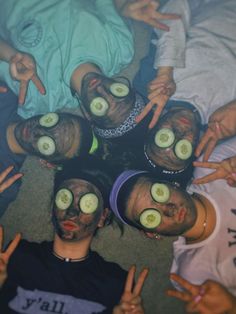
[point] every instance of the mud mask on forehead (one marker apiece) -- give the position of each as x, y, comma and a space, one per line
171, 144
49, 136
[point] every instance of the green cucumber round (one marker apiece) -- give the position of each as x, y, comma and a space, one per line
63, 199
160, 192
49, 120
99, 106
164, 138
183, 149
88, 203
119, 89
46, 145
150, 218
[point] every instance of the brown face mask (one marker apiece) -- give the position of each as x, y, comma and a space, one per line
49, 136
107, 102
172, 142
77, 209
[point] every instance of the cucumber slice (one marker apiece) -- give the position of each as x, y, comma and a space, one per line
160, 192
150, 218
63, 199
49, 120
164, 138
99, 106
183, 149
119, 89
46, 145
88, 203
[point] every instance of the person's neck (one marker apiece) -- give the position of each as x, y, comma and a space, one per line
205, 221
77, 250
12, 141
79, 73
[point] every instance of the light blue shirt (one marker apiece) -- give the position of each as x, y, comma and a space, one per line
61, 35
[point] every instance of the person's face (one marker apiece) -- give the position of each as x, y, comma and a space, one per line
72, 224
107, 101
181, 127
177, 215
53, 136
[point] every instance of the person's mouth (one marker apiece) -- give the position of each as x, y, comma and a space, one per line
185, 121
181, 215
68, 225
26, 133
93, 83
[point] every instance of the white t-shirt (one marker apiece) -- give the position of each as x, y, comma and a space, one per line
201, 46
214, 258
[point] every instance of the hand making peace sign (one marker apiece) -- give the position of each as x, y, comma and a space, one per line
226, 169
131, 301
207, 298
221, 125
5, 184
5, 256
23, 69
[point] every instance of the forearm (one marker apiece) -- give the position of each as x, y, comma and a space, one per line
170, 46
6, 51
168, 70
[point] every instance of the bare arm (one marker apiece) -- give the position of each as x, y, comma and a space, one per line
6, 51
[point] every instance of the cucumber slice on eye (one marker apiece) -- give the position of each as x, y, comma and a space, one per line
99, 106
119, 89
160, 192
150, 218
183, 149
164, 138
46, 145
88, 203
63, 199
49, 120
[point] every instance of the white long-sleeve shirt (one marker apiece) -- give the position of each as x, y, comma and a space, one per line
201, 46
215, 257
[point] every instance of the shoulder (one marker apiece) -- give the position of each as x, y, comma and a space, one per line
27, 249
108, 268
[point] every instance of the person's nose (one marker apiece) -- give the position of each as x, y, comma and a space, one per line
72, 212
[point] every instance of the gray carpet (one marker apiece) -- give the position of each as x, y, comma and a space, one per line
30, 214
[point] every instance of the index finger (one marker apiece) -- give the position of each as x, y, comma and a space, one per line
167, 16
160, 105
10, 181
12, 246
210, 177
130, 279
23, 90
38, 83
145, 111
206, 164
193, 289
156, 116
204, 140
140, 282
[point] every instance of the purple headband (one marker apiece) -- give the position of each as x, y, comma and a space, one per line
127, 125
122, 179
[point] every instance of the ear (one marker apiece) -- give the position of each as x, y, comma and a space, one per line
103, 218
